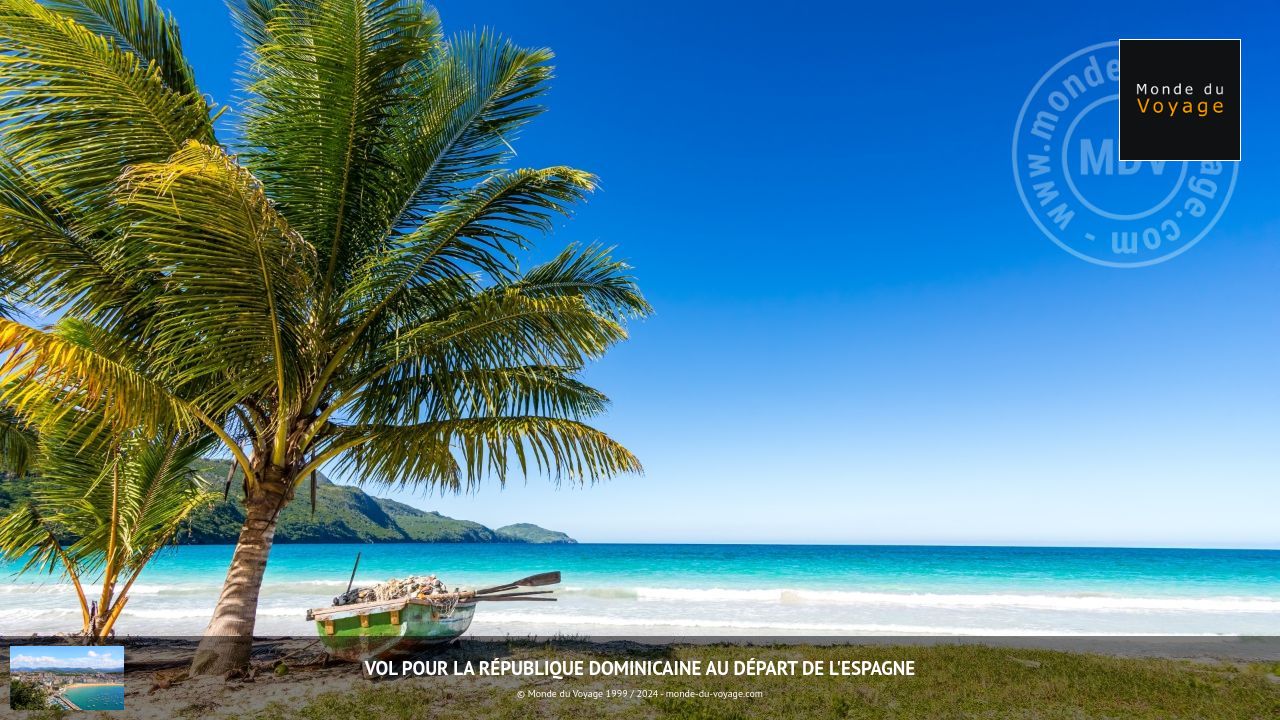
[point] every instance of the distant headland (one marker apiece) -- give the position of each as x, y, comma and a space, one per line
343, 514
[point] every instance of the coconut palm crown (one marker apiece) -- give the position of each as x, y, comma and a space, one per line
102, 507
339, 284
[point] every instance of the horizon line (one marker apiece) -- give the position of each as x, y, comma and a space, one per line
1032, 546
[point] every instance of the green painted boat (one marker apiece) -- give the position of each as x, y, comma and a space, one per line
393, 628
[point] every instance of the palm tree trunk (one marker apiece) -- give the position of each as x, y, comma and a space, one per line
75, 581
228, 639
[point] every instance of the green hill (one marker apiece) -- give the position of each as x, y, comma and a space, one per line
530, 533
343, 514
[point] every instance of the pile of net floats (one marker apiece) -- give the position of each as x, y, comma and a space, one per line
413, 586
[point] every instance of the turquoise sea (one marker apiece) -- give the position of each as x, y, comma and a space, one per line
97, 697
728, 589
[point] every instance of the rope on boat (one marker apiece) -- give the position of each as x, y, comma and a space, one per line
447, 605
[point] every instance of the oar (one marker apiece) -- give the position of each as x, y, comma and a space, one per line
513, 598
515, 594
547, 578
353, 572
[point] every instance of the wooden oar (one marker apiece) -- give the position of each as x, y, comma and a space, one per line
515, 594
353, 572
547, 578
513, 598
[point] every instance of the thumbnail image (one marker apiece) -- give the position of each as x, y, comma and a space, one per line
75, 678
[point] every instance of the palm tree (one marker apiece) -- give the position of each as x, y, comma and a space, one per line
102, 506
342, 284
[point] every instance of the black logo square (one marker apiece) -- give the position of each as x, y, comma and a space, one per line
1179, 100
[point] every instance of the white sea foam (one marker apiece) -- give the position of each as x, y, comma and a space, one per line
206, 611
170, 613
61, 589
184, 604
1076, 603
707, 625
26, 613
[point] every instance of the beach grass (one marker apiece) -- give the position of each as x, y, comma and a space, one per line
951, 681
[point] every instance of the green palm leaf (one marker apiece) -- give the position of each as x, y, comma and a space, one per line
53, 375
324, 85
75, 108
482, 90
140, 27
205, 223
457, 454
27, 538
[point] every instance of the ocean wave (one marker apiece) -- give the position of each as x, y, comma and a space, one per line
1080, 602
26, 613
67, 589
608, 593
205, 612
49, 588
170, 613
315, 590
543, 623
210, 587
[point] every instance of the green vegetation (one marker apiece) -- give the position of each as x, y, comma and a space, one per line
14, 491
17, 444
342, 514
340, 282
530, 533
100, 508
25, 695
951, 681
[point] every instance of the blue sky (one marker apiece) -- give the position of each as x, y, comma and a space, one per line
860, 336
34, 657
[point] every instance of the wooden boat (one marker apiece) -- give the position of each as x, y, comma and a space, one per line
392, 628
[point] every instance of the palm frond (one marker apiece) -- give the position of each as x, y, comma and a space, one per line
206, 224
446, 393
473, 102
140, 27
27, 538
75, 108
52, 374
251, 18
45, 257
457, 454
324, 80
476, 231
592, 274
153, 485
494, 329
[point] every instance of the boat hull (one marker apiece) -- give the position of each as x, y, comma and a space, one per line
391, 629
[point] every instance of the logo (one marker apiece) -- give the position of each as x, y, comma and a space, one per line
1180, 100
1069, 175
